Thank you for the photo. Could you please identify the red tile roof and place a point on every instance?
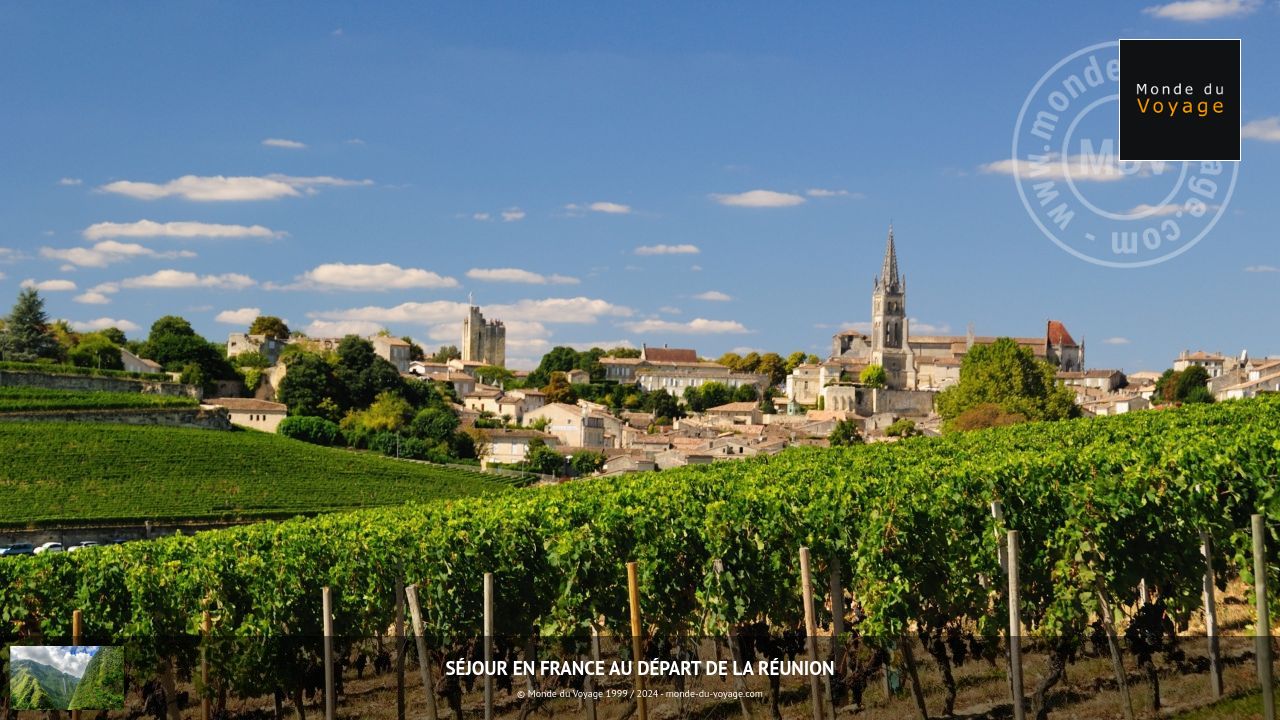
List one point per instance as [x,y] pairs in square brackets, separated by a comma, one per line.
[1058,334]
[669,354]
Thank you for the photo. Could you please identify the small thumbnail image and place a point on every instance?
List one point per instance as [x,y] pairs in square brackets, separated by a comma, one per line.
[66,677]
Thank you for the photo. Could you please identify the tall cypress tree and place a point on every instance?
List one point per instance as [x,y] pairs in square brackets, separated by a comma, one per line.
[27,336]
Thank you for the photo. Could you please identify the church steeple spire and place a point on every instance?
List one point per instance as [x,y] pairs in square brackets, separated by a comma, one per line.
[889,278]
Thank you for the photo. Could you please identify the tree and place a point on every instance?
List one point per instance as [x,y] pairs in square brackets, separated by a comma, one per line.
[1010,377]
[269,325]
[314,430]
[745,393]
[311,388]
[542,459]
[558,390]
[445,354]
[363,373]
[66,336]
[774,366]
[27,336]
[96,351]
[709,395]
[560,359]
[115,335]
[664,405]
[416,353]
[434,423]
[586,462]
[388,413]
[795,360]
[1193,385]
[873,376]
[493,375]
[902,427]
[766,402]
[986,415]
[845,433]
[175,345]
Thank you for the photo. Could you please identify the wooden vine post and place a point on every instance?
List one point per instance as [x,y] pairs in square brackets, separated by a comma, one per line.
[637,640]
[1104,614]
[206,629]
[424,661]
[77,637]
[400,648]
[1263,630]
[739,684]
[330,699]
[1015,627]
[488,646]
[835,593]
[1211,616]
[811,633]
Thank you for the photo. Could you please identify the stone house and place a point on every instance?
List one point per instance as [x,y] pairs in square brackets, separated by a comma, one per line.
[510,447]
[247,412]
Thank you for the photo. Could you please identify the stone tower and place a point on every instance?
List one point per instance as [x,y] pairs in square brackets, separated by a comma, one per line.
[483,340]
[889,347]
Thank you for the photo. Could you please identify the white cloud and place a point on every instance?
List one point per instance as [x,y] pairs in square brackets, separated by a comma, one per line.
[2,276]
[667,250]
[713,296]
[603,344]
[1267,129]
[611,208]
[341,328]
[1080,168]
[243,316]
[150,228]
[354,141]
[49,285]
[1116,341]
[107,252]
[1197,10]
[219,188]
[70,181]
[67,659]
[512,214]
[103,323]
[9,255]
[758,199]
[516,275]
[481,216]
[575,310]
[92,297]
[697,326]
[179,279]
[283,143]
[1262,269]
[384,276]
[670,310]
[825,193]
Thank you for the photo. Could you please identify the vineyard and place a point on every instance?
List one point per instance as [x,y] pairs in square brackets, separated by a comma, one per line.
[68,474]
[76,370]
[1102,506]
[26,399]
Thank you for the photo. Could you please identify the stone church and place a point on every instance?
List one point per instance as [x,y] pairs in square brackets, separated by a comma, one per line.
[913,362]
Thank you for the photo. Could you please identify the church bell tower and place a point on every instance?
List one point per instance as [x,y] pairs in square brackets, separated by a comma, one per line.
[889,348]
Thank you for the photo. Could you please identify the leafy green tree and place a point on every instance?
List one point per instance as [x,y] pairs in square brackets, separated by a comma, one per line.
[493,375]
[1192,386]
[415,350]
[986,415]
[709,395]
[902,427]
[251,359]
[310,387]
[795,360]
[730,360]
[27,335]
[559,359]
[586,462]
[774,366]
[558,390]
[363,373]
[115,335]
[269,325]
[623,352]
[873,376]
[766,402]
[66,336]
[1009,376]
[315,430]
[844,434]
[435,423]
[445,354]
[542,459]
[745,393]
[95,350]
[175,345]
[663,405]
[388,413]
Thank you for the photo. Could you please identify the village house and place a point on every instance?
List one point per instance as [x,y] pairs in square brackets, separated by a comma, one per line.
[572,425]
[1107,380]
[393,350]
[247,412]
[511,447]
[674,370]
[133,363]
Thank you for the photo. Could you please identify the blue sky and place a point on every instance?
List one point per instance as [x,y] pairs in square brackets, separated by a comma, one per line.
[354,166]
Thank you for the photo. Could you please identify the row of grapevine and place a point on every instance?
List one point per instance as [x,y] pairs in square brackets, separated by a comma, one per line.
[1100,504]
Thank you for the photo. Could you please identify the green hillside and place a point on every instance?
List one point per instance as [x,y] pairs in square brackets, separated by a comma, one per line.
[36,686]
[65,473]
[102,687]
[21,399]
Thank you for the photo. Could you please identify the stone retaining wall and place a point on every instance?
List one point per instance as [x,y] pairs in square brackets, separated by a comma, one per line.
[90,383]
[204,417]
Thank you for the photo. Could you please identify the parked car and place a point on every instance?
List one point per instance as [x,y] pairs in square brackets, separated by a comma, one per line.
[82,545]
[18,549]
[52,547]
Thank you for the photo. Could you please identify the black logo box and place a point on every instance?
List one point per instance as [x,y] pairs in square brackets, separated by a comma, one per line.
[1186,68]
